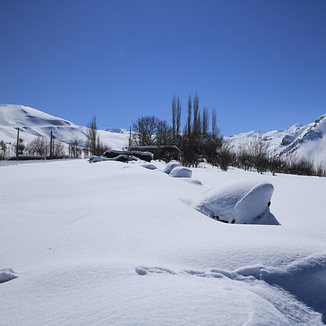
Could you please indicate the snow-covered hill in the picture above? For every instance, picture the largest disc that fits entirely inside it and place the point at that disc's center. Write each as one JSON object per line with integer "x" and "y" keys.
{"x": 34, "y": 123}
{"x": 305, "y": 141}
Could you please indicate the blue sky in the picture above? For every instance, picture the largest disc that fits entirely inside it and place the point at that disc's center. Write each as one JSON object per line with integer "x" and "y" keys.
{"x": 261, "y": 64}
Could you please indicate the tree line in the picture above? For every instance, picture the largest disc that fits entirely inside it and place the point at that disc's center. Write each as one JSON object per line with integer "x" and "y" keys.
{"x": 199, "y": 144}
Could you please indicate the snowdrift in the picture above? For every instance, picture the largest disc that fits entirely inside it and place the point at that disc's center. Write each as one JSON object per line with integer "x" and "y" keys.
{"x": 240, "y": 202}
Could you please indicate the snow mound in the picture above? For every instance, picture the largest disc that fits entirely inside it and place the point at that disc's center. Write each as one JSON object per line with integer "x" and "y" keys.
{"x": 149, "y": 166}
{"x": 6, "y": 275}
{"x": 241, "y": 202}
{"x": 180, "y": 172}
{"x": 170, "y": 166}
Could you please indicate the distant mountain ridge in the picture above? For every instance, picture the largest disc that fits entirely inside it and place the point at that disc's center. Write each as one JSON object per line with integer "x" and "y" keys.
{"x": 307, "y": 141}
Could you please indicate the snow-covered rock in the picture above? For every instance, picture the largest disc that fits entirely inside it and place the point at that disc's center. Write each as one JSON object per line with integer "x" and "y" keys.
{"x": 241, "y": 202}
{"x": 181, "y": 172}
{"x": 170, "y": 166}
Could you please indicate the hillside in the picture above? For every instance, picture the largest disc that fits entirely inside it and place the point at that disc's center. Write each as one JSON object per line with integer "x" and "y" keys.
{"x": 304, "y": 141}
{"x": 33, "y": 123}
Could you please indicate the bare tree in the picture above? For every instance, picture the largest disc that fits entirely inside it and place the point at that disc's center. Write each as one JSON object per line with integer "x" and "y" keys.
{"x": 38, "y": 146}
{"x": 163, "y": 133}
{"x": 58, "y": 149}
{"x": 75, "y": 148}
{"x": 145, "y": 129}
{"x": 3, "y": 147}
{"x": 92, "y": 136}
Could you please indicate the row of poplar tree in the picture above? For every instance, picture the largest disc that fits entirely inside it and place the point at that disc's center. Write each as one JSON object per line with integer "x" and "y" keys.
{"x": 195, "y": 140}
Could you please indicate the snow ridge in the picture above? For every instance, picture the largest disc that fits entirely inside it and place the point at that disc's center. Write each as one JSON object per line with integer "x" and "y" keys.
{"x": 305, "y": 279}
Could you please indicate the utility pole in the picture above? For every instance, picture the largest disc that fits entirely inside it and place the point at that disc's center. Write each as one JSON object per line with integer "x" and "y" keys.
{"x": 17, "y": 148}
{"x": 51, "y": 144}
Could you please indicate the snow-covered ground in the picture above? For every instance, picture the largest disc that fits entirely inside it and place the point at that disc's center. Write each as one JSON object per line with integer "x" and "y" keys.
{"x": 111, "y": 243}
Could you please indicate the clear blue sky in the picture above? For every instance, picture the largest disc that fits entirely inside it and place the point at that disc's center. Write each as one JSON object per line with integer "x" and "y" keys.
{"x": 260, "y": 63}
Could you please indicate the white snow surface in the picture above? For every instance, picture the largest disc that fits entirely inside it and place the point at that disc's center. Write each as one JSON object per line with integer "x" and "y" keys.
{"x": 113, "y": 243}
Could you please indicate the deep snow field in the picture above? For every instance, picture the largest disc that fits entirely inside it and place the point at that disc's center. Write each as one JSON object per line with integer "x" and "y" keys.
{"x": 111, "y": 243}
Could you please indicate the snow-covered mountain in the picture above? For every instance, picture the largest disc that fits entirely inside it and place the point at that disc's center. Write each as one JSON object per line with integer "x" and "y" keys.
{"x": 305, "y": 141}
{"x": 34, "y": 123}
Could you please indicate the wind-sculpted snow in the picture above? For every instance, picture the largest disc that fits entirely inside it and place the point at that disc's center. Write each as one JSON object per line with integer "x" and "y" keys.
{"x": 304, "y": 280}
{"x": 241, "y": 202}
{"x": 7, "y": 274}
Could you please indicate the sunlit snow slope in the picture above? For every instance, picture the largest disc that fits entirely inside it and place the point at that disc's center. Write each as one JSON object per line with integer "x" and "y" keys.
{"x": 307, "y": 141}
{"x": 33, "y": 123}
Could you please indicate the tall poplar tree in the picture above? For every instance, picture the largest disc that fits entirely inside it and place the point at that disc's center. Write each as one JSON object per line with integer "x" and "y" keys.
{"x": 174, "y": 113}
{"x": 178, "y": 117}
